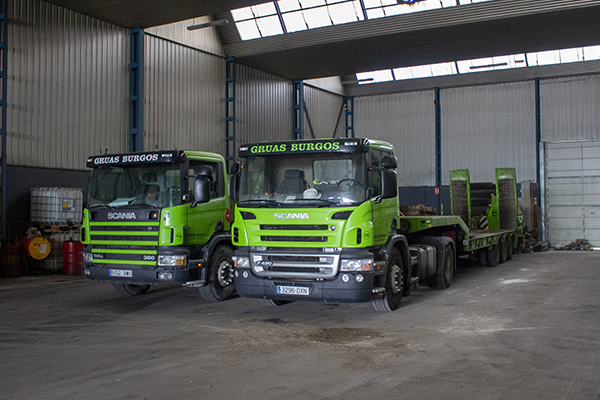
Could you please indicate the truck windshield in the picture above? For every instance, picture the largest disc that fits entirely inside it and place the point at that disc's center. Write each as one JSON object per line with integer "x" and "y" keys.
{"x": 303, "y": 180}
{"x": 140, "y": 185}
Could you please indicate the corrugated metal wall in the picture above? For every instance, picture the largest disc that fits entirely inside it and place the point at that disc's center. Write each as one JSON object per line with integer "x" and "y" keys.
{"x": 264, "y": 106}
{"x": 488, "y": 127}
{"x": 407, "y": 120}
{"x": 570, "y": 108}
{"x": 68, "y": 87}
{"x": 206, "y": 39}
{"x": 184, "y": 97}
{"x": 324, "y": 112}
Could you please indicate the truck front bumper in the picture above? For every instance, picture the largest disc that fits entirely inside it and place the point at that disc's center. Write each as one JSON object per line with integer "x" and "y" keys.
{"x": 135, "y": 276}
{"x": 346, "y": 287}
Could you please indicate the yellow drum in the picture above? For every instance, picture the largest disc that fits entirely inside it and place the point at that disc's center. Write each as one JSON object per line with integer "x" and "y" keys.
{"x": 38, "y": 248}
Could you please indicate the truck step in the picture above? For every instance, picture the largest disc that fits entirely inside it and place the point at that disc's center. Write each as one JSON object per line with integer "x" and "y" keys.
{"x": 198, "y": 283}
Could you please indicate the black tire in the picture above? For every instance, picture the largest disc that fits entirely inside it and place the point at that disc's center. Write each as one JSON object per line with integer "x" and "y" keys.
{"x": 444, "y": 273}
{"x": 273, "y": 303}
{"x": 483, "y": 257}
{"x": 503, "y": 250}
{"x": 494, "y": 255}
{"x": 220, "y": 276}
{"x": 510, "y": 248}
{"x": 394, "y": 283}
{"x": 127, "y": 289}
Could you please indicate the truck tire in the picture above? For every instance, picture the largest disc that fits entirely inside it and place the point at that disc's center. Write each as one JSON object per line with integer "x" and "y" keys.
{"x": 493, "y": 254}
{"x": 394, "y": 283}
{"x": 220, "y": 276}
{"x": 503, "y": 250}
{"x": 483, "y": 257}
{"x": 510, "y": 247}
{"x": 444, "y": 273}
{"x": 127, "y": 289}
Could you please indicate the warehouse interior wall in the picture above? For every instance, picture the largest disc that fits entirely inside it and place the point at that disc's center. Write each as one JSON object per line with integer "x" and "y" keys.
{"x": 68, "y": 98}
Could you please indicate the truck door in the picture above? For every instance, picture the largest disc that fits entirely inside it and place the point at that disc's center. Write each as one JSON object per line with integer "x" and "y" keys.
{"x": 384, "y": 211}
{"x": 205, "y": 219}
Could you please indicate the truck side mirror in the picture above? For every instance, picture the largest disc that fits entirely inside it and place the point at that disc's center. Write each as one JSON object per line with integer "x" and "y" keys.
{"x": 389, "y": 162}
{"x": 202, "y": 185}
{"x": 201, "y": 191}
{"x": 389, "y": 184}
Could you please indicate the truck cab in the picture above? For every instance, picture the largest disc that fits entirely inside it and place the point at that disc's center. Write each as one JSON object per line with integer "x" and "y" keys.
{"x": 159, "y": 217}
{"x": 315, "y": 220}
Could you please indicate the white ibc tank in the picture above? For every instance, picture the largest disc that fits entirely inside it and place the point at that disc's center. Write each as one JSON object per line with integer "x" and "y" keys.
{"x": 56, "y": 206}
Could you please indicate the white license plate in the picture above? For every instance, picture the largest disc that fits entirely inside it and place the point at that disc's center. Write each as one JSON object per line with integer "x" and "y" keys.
{"x": 124, "y": 273}
{"x": 296, "y": 290}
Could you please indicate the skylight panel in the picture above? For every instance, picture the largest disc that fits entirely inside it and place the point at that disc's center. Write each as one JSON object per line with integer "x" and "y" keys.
{"x": 294, "y": 21}
{"x": 269, "y": 26}
{"x": 375, "y": 76}
{"x": 571, "y": 55}
{"x": 248, "y": 29}
{"x": 317, "y": 17}
{"x": 312, "y": 3}
{"x": 263, "y": 10}
{"x": 288, "y": 5}
{"x": 342, "y": 13}
{"x": 591, "y": 53}
{"x": 242, "y": 13}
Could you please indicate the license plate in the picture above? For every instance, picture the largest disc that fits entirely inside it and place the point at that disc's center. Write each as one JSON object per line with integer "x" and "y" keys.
{"x": 295, "y": 290}
{"x": 124, "y": 273}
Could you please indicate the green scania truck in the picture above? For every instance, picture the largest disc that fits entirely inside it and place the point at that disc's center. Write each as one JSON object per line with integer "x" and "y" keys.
{"x": 319, "y": 220}
{"x": 159, "y": 217}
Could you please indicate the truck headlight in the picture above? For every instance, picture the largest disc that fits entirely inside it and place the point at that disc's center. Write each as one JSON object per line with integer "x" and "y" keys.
{"x": 241, "y": 262}
{"x": 88, "y": 257}
{"x": 364, "y": 264}
{"x": 172, "y": 261}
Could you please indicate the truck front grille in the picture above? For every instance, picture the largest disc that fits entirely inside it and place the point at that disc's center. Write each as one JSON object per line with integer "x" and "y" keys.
{"x": 288, "y": 265}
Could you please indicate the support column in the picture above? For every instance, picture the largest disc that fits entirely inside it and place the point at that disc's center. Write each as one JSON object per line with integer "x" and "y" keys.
{"x": 3, "y": 106}
{"x": 298, "y": 106}
{"x": 230, "y": 143}
{"x": 349, "y": 115}
{"x": 438, "y": 147}
{"x": 136, "y": 95}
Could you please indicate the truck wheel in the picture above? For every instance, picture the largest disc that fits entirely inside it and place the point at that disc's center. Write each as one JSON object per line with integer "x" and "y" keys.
{"x": 503, "y": 250}
{"x": 494, "y": 255}
{"x": 443, "y": 276}
{"x": 510, "y": 247}
{"x": 394, "y": 284}
{"x": 220, "y": 276}
{"x": 127, "y": 289}
{"x": 483, "y": 256}
{"x": 273, "y": 303}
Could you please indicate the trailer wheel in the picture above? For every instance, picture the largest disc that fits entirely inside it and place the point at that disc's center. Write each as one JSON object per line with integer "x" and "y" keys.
{"x": 127, "y": 289}
{"x": 220, "y": 276}
{"x": 503, "y": 250}
{"x": 273, "y": 303}
{"x": 510, "y": 247}
{"x": 493, "y": 254}
{"x": 394, "y": 283}
{"x": 443, "y": 276}
{"x": 483, "y": 256}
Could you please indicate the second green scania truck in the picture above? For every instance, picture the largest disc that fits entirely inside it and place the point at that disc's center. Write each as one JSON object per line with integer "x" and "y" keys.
{"x": 159, "y": 217}
{"x": 319, "y": 220}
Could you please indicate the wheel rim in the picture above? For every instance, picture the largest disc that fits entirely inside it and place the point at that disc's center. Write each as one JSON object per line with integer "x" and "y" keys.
{"x": 224, "y": 273}
{"x": 397, "y": 280}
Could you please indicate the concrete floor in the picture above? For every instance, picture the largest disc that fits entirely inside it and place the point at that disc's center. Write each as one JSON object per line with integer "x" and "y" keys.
{"x": 528, "y": 329}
